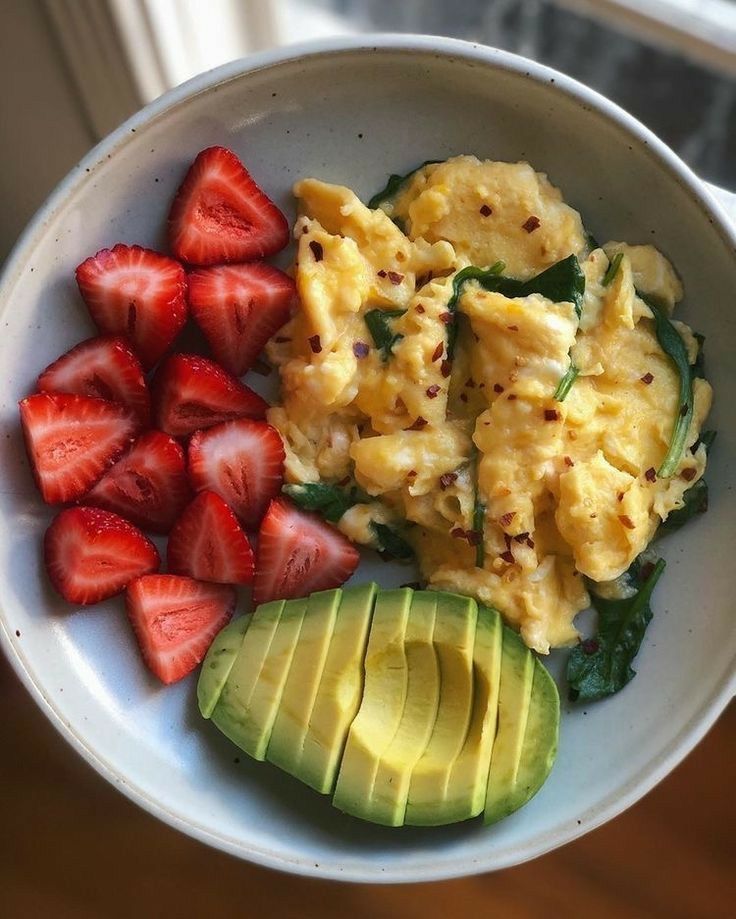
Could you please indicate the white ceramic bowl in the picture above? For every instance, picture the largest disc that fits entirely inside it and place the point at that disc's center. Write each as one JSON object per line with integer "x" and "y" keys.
{"x": 352, "y": 111}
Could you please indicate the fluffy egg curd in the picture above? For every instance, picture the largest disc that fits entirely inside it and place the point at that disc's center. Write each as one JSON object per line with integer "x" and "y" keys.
{"x": 449, "y": 423}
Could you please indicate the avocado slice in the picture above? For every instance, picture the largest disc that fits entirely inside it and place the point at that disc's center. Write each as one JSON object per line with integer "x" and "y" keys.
{"x": 339, "y": 692}
{"x": 247, "y": 706}
{"x": 384, "y": 694}
{"x": 218, "y": 662}
{"x": 514, "y": 699}
{"x": 302, "y": 683}
{"x": 387, "y": 803}
{"x": 454, "y": 638}
{"x": 466, "y": 787}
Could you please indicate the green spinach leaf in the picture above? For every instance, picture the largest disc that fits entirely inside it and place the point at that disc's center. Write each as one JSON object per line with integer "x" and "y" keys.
{"x": 673, "y": 346}
{"x": 382, "y": 333}
{"x": 394, "y": 184}
{"x": 695, "y": 502}
{"x": 601, "y": 666}
{"x": 706, "y": 438}
{"x": 390, "y": 542}
{"x": 330, "y": 501}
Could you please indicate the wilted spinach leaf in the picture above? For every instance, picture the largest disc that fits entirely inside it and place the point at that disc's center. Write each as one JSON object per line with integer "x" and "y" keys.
{"x": 390, "y": 542}
{"x": 695, "y": 502}
{"x": 394, "y": 184}
{"x": 382, "y": 333}
{"x": 330, "y": 501}
{"x": 601, "y": 666}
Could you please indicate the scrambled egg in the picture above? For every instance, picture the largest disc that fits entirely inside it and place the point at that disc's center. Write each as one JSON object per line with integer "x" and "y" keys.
{"x": 569, "y": 487}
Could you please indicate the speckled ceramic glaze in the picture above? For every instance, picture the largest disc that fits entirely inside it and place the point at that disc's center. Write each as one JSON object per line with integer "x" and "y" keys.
{"x": 351, "y": 112}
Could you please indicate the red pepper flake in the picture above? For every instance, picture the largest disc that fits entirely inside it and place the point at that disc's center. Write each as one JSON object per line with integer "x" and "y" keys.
{"x": 315, "y": 344}
{"x": 446, "y": 368}
{"x": 317, "y": 250}
{"x": 498, "y": 388}
{"x": 381, "y": 273}
{"x": 507, "y": 540}
{"x": 433, "y": 391}
{"x": 689, "y": 473}
{"x": 360, "y": 349}
{"x": 620, "y": 496}
{"x": 458, "y": 533}
{"x": 522, "y": 537}
{"x": 531, "y": 224}
{"x": 343, "y": 482}
{"x": 486, "y": 424}
{"x": 438, "y": 351}
{"x": 589, "y": 646}
{"x": 481, "y": 385}
{"x": 418, "y": 424}
{"x": 281, "y": 339}
{"x": 395, "y": 278}
{"x": 647, "y": 378}
{"x": 463, "y": 397}
{"x": 683, "y": 409}
{"x": 446, "y": 479}
{"x": 411, "y": 474}
{"x": 470, "y": 383}
{"x": 508, "y": 556}
{"x": 419, "y": 308}
{"x": 422, "y": 279}
{"x": 626, "y": 521}
{"x": 473, "y": 537}
{"x": 651, "y": 474}
{"x": 506, "y": 518}
{"x": 530, "y": 542}
{"x": 447, "y": 318}
{"x": 551, "y": 414}
{"x": 485, "y": 210}
{"x": 511, "y": 397}
{"x": 568, "y": 461}
{"x": 512, "y": 328}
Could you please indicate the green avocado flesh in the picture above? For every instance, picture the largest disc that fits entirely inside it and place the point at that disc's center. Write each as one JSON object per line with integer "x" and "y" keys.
{"x": 409, "y": 707}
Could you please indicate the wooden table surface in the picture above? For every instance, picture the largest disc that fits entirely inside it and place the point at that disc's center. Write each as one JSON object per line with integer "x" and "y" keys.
{"x": 73, "y": 847}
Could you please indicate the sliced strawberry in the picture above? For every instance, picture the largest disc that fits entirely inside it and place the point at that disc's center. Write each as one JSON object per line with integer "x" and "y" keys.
{"x": 92, "y": 554}
{"x": 149, "y": 485}
{"x": 243, "y": 462}
{"x": 71, "y": 440}
{"x": 206, "y": 542}
{"x": 103, "y": 367}
{"x": 219, "y": 214}
{"x": 191, "y": 393}
{"x": 138, "y": 293}
{"x": 299, "y": 553}
{"x": 175, "y": 620}
{"x": 238, "y": 308}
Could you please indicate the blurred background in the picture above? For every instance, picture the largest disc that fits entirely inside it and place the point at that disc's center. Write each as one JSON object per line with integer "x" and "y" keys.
{"x": 71, "y": 71}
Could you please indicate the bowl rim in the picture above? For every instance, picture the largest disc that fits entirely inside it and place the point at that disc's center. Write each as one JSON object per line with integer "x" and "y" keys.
{"x": 492, "y": 58}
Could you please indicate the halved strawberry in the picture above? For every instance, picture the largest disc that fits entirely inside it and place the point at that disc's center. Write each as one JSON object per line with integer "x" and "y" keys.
{"x": 243, "y": 462}
{"x": 138, "y": 293}
{"x": 238, "y": 308}
{"x": 219, "y": 214}
{"x": 206, "y": 542}
{"x": 299, "y": 553}
{"x": 191, "y": 393}
{"x": 175, "y": 620}
{"x": 71, "y": 440}
{"x": 92, "y": 554}
{"x": 103, "y": 367}
{"x": 149, "y": 485}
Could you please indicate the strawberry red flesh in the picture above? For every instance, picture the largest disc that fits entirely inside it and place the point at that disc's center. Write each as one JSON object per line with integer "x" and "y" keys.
{"x": 72, "y": 440}
{"x": 298, "y": 553}
{"x": 220, "y": 215}
{"x": 207, "y": 543}
{"x": 243, "y": 462}
{"x": 91, "y": 554}
{"x": 104, "y": 368}
{"x": 175, "y": 620}
{"x": 137, "y": 293}
{"x": 191, "y": 393}
{"x": 238, "y": 308}
{"x": 148, "y": 485}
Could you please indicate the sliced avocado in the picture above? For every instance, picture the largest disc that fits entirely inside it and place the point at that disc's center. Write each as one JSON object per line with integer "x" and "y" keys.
{"x": 540, "y": 738}
{"x": 514, "y": 698}
{"x": 384, "y": 694}
{"x": 454, "y": 637}
{"x": 466, "y": 787}
{"x": 247, "y": 706}
{"x": 387, "y": 804}
{"x": 300, "y": 690}
{"x": 339, "y": 692}
{"x": 218, "y": 662}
